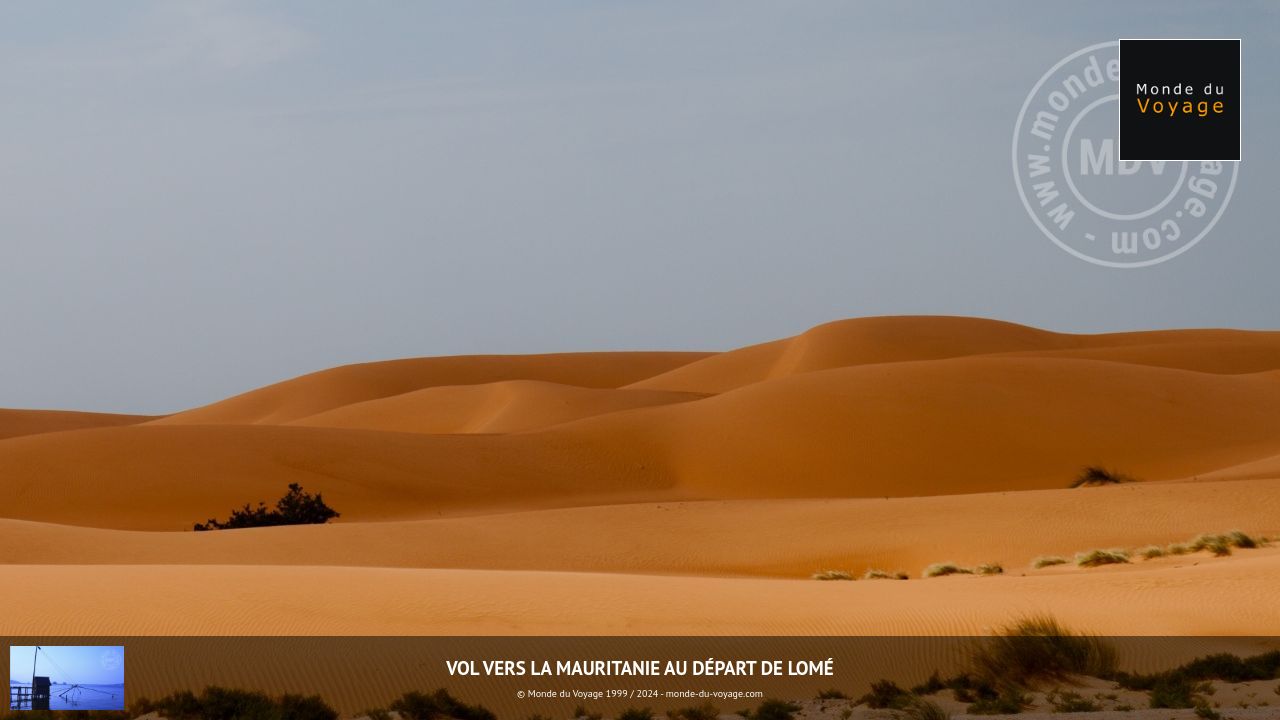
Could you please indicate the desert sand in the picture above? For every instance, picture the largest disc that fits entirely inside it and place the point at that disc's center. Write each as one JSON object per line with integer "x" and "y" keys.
{"x": 673, "y": 493}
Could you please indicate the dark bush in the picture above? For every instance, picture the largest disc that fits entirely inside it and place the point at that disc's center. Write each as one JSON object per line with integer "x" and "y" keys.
{"x": 775, "y": 710}
{"x": 695, "y": 712}
{"x": 1096, "y": 475}
{"x": 439, "y": 705}
{"x": 636, "y": 714}
{"x": 886, "y": 694}
{"x": 1038, "y": 648}
{"x": 295, "y": 508}
{"x": 1010, "y": 702}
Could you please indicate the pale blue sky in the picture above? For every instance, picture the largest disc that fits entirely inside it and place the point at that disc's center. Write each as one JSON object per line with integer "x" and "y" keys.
{"x": 74, "y": 664}
{"x": 203, "y": 197}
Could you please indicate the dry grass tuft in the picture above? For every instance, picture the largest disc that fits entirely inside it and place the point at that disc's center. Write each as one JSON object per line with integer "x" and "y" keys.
{"x": 943, "y": 569}
{"x": 1099, "y": 557}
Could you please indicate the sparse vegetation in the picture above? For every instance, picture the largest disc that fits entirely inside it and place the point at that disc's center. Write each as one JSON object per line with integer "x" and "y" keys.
{"x": 832, "y": 575}
{"x": 437, "y": 705}
{"x": 295, "y": 508}
{"x": 636, "y": 714}
{"x": 1009, "y": 702}
{"x": 990, "y": 569}
{"x": 1151, "y": 552}
{"x": 1095, "y": 475}
{"x": 1219, "y": 545}
{"x": 1207, "y": 713}
{"x": 926, "y": 710}
{"x": 1039, "y": 648}
{"x": 1045, "y": 561}
{"x": 697, "y": 712}
{"x": 775, "y": 710}
{"x": 886, "y": 694}
{"x": 581, "y": 712}
{"x": 1064, "y": 701}
{"x": 946, "y": 568}
{"x": 1096, "y": 558}
{"x": 217, "y": 703}
{"x": 832, "y": 694}
{"x": 876, "y": 574}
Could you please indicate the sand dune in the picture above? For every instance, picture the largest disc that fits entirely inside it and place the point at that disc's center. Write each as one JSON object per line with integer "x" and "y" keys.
{"x": 17, "y": 423}
{"x": 328, "y": 389}
{"x": 710, "y": 538}
{"x": 648, "y": 493}
{"x": 177, "y": 475}
{"x": 865, "y": 341}
{"x": 945, "y": 427}
{"x": 502, "y": 407}
{"x": 267, "y": 600}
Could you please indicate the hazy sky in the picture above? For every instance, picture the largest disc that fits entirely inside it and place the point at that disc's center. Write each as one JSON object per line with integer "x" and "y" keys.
{"x": 203, "y": 197}
{"x": 76, "y": 664}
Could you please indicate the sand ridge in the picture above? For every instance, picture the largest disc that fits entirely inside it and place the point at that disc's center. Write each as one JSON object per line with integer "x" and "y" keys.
{"x": 651, "y": 493}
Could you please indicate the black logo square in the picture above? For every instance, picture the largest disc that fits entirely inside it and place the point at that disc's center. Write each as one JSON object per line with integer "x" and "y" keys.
{"x": 1179, "y": 99}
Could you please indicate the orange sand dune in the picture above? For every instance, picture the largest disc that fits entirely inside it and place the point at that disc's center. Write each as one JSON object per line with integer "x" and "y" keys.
{"x": 1259, "y": 353}
{"x": 865, "y": 341}
{"x": 328, "y": 389}
{"x": 651, "y": 493}
{"x": 722, "y": 538}
{"x": 962, "y": 425}
{"x": 275, "y": 600}
{"x": 165, "y": 477}
{"x": 942, "y": 427}
{"x": 502, "y": 407}
{"x": 16, "y": 423}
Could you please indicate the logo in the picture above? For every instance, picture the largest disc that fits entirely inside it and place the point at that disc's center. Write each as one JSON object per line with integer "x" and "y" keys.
{"x": 1107, "y": 211}
{"x": 112, "y": 658}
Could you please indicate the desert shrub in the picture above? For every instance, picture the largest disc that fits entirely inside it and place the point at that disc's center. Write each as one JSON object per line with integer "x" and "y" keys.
{"x": 1009, "y": 702}
{"x": 380, "y": 714}
{"x": 305, "y": 707}
{"x": 1039, "y": 648}
{"x": 926, "y": 710}
{"x": 1094, "y": 475}
{"x": 582, "y": 713}
{"x": 1173, "y": 691}
{"x": 1096, "y": 558}
{"x": 438, "y": 705}
{"x": 223, "y": 704}
{"x": 636, "y": 714}
{"x": 1207, "y": 713}
{"x": 1242, "y": 540}
{"x": 1045, "y": 561}
{"x": 295, "y": 508}
{"x": 875, "y": 574}
{"x": 1151, "y": 552}
{"x": 934, "y": 684}
{"x": 946, "y": 568}
{"x": 886, "y": 694}
{"x": 775, "y": 710}
{"x": 1178, "y": 549}
{"x": 706, "y": 711}
{"x": 832, "y": 694}
{"x": 1219, "y": 545}
{"x": 990, "y": 569}
{"x": 217, "y": 703}
{"x": 832, "y": 575}
{"x": 1067, "y": 701}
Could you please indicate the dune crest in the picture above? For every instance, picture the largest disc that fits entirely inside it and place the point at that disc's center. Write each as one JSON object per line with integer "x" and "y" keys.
{"x": 652, "y": 493}
{"x": 501, "y": 407}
